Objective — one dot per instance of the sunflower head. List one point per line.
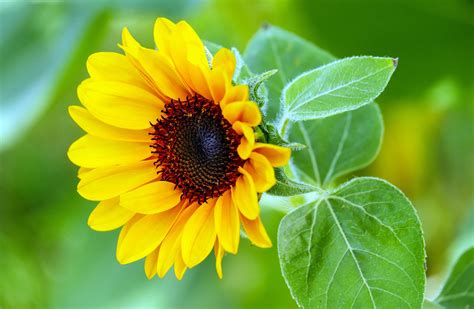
(171, 153)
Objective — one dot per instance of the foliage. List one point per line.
(360, 243)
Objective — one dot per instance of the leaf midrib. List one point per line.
(329, 91)
(336, 220)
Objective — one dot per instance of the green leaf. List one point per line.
(273, 137)
(274, 48)
(458, 291)
(358, 246)
(287, 187)
(337, 87)
(337, 145)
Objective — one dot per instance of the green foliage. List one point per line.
(274, 48)
(458, 291)
(357, 246)
(287, 187)
(338, 87)
(337, 145)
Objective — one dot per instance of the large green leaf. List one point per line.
(337, 145)
(458, 291)
(337, 87)
(274, 48)
(358, 246)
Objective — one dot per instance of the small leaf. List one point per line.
(337, 87)
(274, 48)
(458, 291)
(273, 137)
(337, 145)
(359, 246)
(258, 93)
(287, 187)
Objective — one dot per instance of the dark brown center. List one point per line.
(196, 148)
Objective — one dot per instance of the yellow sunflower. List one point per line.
(170, 151)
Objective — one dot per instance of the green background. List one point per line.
(48, 255)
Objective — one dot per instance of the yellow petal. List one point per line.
(217, 84)
(130, 46)
(226, 217)
(244, 111)
(126, 228)
(107, 182)
(115, 67)
(145, 235)
(244, 195)
(108, 215)
(199, 78)
(150, 263)
(189, 57)
(247, 142)
(199, 235)
(171, 245)
(90, 151)
(161, 71)
(277, 155)
(192, 44)
(151, 198)
(97, 128)
(179, 266)
(219, 252)
(256, 232)
(82, 171)
(235, 94)
(163, 34)
(119, 104)
(224, 59)
(261, 171)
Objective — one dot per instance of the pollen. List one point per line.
(196, 148)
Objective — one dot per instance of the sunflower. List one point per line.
(171, 153)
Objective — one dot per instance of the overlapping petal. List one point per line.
(154, 197)
(122, 96)
(108, 215)
(145, 235)
(244, 195)
(226, 217)
(199, 235)
(90, 151)
(108, 182)
(119, 104)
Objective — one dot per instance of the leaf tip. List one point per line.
(265, 25)
(395, 62)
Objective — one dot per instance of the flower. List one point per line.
(170, 151)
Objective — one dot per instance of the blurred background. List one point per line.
(48, 255)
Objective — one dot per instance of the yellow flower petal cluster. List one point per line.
(122, 98)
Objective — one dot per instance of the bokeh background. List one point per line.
(48, 255)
